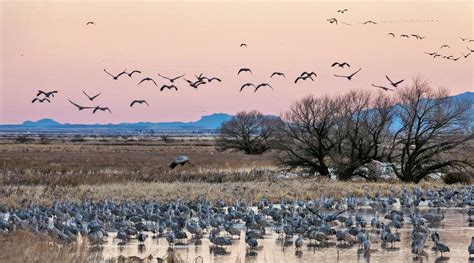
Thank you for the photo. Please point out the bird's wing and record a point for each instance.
(146, 103)
(133, 102)
(40, 92)
(35, 99)
(163, 76)
(108, 109)
(121, 73)
(399, 82)
(214, 78)
(74, 103)
(96, 96)
(178, 77)
(46, 99)
(86, 94)
(356, 72)
(345, 63)
(298, 78)
(389, 79)
(108, 73)
(154, 82)
(163, 87)
(334, 64)
(340, 76)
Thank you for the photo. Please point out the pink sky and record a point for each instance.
(61, 53)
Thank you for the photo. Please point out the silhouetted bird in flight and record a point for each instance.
(455, 59)
(243, 45)
(201, 78)
(244, 70)
(306, 75)
(447, 46)
(90, 23)
(172, 86)
(147, 79)
(472, 50)
(47, 94)
(171, 79)
(342, 11)
(139, 102)
(135, 71)
(101, 109)
(432, 53)
(91, 98)
(194, 84)
(465, 56)
(417, 36)
(404, 35)
(350, 76)
(464, 39)
(262, 85)
(392, 34)
(277, 74)
(246, 85)
(341, 65)
(382, 87)
(115, 77)
(79, 107)
(40, 100)
(332, 20)
(394, 83)
(369, 22)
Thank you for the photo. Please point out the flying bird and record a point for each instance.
(46, 93)
(342, 11)
(369, 22)
(262, 85)
(382, 87)
(147, 79)
(201, 78)
(135, 71)
(91, 98)
(244, 70)
(40, 100)
(455, 59)
(472, 50)
(171, 79)
(79, 107)
(90, 23)
(303, 78)
(139, 102)
(277, 74)
(246, 85)
(172, 86)
(115, 77)
(447, 46)
(464, 39)
(394, 83)
(465, 56)
(101, 109)
(341, 65)
(310, 74)
(332, 20)
(404, 35)
(350, 76)
(243, 45)
(194, 84)
(392, 34)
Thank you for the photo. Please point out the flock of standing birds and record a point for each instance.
(171, 83)
(322, 223)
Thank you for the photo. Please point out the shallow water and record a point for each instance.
(454, 231)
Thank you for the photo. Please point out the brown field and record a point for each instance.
(77, 169)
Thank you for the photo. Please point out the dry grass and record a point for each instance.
(23, 246)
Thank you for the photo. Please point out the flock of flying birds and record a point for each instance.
(172, 82)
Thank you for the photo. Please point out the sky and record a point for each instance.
(48, 46)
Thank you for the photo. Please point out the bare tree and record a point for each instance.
(431, 126)
(308, 136)
(252, 132)
(364, 127)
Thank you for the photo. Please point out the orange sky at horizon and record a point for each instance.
(61, 53)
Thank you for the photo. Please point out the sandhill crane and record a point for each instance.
(179, 160)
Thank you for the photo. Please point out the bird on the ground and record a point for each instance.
(243, 45)
(471, 247)
(172, 86)
(350, 76)
(139, 102)
(441, 247)
(262, 85)
(90, 23)
(101, 109)
(147, 79)
(47, 94)
(392, 34)
(113, 76)
(179, 160)
(171, 79)
(79, 107)
(131, 73)
(394, 83)
(332, 20)
(246, 85)
(278, 74)
(382, 87)
(343, 10)
(40, 100)
(244, 70)
(369, 22)
(91, 98)
(341, 65)
(445, 46)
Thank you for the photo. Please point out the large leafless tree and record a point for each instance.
(431, 126)
(251, 132)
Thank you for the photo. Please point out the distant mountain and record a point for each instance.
(41, 123)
